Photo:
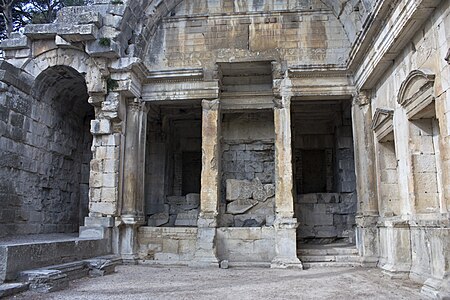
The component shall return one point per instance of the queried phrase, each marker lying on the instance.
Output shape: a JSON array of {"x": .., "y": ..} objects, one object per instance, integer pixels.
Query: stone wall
[
  {"x": 418, "y": 159},
  {"x": 246, "y": 28},
  {"x": 45, "y": 153},
  {"x": 246, "y": 246},
  {"x": 248, "y": 166},
  {"x": 167, "y": 245},
  {"x": 326, "y": 216}
]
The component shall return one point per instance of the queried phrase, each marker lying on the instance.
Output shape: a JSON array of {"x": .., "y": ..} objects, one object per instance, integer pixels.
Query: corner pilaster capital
[
  {"x": 136, "y": 105},
  {"x": 281, "y": 102},
  {"x": 211, "y": 104},
  {"x": 362, "y": 97}
]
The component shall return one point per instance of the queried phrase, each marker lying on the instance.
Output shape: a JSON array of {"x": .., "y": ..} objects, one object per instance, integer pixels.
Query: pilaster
[
  {"x": 285, "y": 224},
  {"x": 367, "y": 214},
  {"x": 206, "y": 253}
]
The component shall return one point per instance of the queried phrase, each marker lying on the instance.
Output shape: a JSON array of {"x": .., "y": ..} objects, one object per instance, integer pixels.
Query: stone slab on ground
[{"x": 9, "y": 289}]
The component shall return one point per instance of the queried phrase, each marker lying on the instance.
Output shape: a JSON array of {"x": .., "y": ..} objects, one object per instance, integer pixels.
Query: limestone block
[
  {"x": 238, "y": 189},
  {"x": 176, "y": 200},
  {"x": 188, "y": 218},
  {"x": 265, "y": 209},
  {"x": 95, "y": 49},
  {"x": 249, "y": 220},
  {"x": 158, "y": 219},
  {"x": 106, "y": 208},
  {"x": 193, "y": 199},
  {"x": 14, "y": 44},
  {"x": 240, "y": 206},
  {"x": 99, "y": 127}
]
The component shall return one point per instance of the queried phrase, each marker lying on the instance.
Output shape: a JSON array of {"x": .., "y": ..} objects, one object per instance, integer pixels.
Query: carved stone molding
[
  {"x": 383, "y": 125},
  {"x": 416, "y": 95}
]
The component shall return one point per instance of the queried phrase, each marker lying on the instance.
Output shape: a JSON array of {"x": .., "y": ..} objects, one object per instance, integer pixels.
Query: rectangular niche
[
  {"x": 423, "y": 136},
  {"x": 173, "y": 165},
  {"x": 248, "y": 169}
]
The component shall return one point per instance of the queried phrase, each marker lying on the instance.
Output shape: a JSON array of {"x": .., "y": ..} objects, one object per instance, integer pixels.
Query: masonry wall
[
  {"x": 44, "y": 165},
  {"x": 202, "y": 32},
  {"x": 248, "y": 164},
  {"x": 422, "y": 155}
]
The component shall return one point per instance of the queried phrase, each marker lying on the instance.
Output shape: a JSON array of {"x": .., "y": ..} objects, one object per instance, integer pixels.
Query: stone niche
[
  {"x": 248, "y": 170},
  {"x": 324, "y": 171},
  {"x": 173, "y": 166}
]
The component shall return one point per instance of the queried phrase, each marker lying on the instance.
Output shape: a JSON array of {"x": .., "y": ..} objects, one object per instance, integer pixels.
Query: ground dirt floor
[{"x": 147, "y": 282}]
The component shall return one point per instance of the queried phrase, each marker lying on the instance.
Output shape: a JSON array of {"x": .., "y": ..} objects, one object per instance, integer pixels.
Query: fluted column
[
  {"x": 285, "y": 224},
  {"x": 132, "y": 198},
  {"x": 205, "y": 255}
]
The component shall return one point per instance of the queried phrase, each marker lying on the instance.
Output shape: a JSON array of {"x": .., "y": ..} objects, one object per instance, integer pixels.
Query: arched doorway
[{"x": 62, "y": 118}]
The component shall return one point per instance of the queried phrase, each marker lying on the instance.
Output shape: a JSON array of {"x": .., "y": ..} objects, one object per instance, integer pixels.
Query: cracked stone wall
[
  {"x": 45, "y": 153},
  {"x": 248, "y": 170}
]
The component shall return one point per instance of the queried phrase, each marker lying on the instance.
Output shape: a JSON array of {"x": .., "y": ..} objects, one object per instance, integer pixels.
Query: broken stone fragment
[
  {"x": 158, "y": 219},
  {"x": 193, "y": 199},
  {"x": 240, "y": 206},
  {"x": 188, "y": 218},
  {"x": 270, "y": 190},
  {"x": 238, "y": 189},
  {"x": 176, "y": 200}
]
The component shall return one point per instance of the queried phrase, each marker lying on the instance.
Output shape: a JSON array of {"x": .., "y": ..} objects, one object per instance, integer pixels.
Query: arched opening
[{"x": 62, "y": 116}]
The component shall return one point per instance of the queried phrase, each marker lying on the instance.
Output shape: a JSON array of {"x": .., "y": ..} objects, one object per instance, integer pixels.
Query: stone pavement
[{"x": 148, "y": 282}]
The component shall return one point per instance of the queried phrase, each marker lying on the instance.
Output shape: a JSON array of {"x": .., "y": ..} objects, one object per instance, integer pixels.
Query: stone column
[
  {"x": 285, "y": 224},
  {"x": 205, "y": 255},
  {"x": 132, "y": 197},
  {"x": 366, "y": 183}
]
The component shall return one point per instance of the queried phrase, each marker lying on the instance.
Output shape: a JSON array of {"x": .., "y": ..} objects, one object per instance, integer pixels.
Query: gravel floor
[{"x": 148, "y": 282}]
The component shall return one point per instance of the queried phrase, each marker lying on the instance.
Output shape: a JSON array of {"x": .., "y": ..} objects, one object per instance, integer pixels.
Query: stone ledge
[
  {"x": 15, "y": 43},
  {"x": 11, "y": 75}
]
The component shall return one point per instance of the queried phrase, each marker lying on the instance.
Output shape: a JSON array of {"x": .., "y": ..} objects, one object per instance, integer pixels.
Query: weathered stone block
[
  {"x": 188, "y": 218},
  {"x": 158, "y": 219},
  {"x": 99, "y": 127},
  {"x": 240, "y": 206}
]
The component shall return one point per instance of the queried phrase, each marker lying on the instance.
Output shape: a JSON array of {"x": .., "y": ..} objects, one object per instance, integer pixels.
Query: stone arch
[
  {"x": 351, "y": 14},
  {"x": 63, "y": 114},
  {"x": 75, "y": 59}
]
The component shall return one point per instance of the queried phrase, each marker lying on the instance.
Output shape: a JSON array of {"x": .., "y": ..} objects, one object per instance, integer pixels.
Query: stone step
[
  {"x": 9, "y": 289},
  {"x": 330, "y": 258},
  {"x": 57, "y": 277},
  {"x": 327, "y": 251},
  {"x": 309, "y": 265}
]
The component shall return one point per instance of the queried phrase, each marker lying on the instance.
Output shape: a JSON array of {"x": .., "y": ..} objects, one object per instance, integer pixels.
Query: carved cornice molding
[
  {"x": 383, "y": 125},
  {"x": 176, "y": 75},
  {"x": 416, "y": 94}
]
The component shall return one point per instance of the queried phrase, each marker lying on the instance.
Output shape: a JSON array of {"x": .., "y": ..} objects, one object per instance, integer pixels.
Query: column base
[
  {"x": 286, "y": 263},
  {"x": 394, "y": 273},
  {"x": 204, "y": 262},
  {"x": 436, "y": 288},
  {"x": 205, "y": 254}
]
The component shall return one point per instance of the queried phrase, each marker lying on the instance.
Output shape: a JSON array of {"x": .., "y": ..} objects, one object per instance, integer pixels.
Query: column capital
[
  {"x": 211, "y": 104},
  {"x": 281, "y": 102},
  {"x": 362, "y": 97},
  {"x": 137, "y": 104}
]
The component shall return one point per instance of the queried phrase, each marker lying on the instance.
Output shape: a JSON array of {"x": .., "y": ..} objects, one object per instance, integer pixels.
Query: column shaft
[
  {"x": 285, "y": 224},
  {"x": 206, "y": 254}
]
